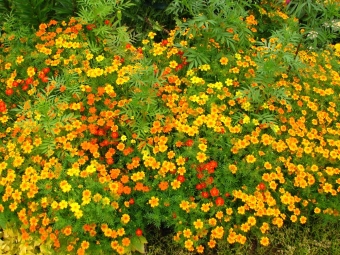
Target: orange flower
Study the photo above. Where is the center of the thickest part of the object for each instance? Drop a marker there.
(126, 190)
(224, 61)
(264, 241)
(85, 245)
(126, 241)
(121, 146)
(163, 185)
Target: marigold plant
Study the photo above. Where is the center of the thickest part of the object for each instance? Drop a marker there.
(213, 137)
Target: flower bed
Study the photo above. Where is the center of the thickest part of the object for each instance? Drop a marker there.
(212, 138)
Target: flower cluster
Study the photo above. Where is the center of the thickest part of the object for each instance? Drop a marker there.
(98, 146)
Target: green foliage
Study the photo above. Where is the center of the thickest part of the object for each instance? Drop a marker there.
(317, 20)
(213, 20)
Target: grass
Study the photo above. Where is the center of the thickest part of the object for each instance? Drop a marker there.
(314, 238)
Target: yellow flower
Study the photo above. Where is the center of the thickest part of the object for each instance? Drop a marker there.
(63, 204)
(229, 82)
(202, 147)
(154, 201)
(188, 244)
(196, 80)
(212, 222)
(205, 67)
(205, 207)
(100, 58)
(30, 71)
(190, 72)
(212, 243)
(201, 157)
(74, 207)
(151, 35)
(173, 64)
(90, 169)
(198, 224)
(264, 241)
(89, 56)
(184, 205)
(19, 59)
(8, 66)
(187, 233)
(250, 159)
(175, 184)
(200, 249)
(54, 205)
(125, 218)
(78, 214)
(65, 186)
(224, 61)
(303, 220)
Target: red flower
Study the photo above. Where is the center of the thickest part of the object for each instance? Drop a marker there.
(262, 186)
(139, 232)
(164, 42)
(213, 163)
(29, 80)
(101, 132)
(219, 201)
(214, 192)
(181, 178)
(109, 161)
(2, 106)
(189, 143)
(46, 70)
(200, 175)
(114, 135)
(9, 92)
(25, 87)
(104, 143)
(44, 79)
(199, 186)
(205, 194)
(90, 27)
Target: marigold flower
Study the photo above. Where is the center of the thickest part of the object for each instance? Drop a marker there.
(201, 157)
(224, 61)
(200, 249)
(250, 158)
(264, 241)
(198, 224)
(175, 184)
(151, 35)
(188, 244)
(125, 218)
(154, 201)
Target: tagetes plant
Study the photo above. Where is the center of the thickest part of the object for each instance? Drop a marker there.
(95, 147)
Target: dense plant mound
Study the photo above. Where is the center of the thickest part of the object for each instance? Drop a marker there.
(209, 131)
